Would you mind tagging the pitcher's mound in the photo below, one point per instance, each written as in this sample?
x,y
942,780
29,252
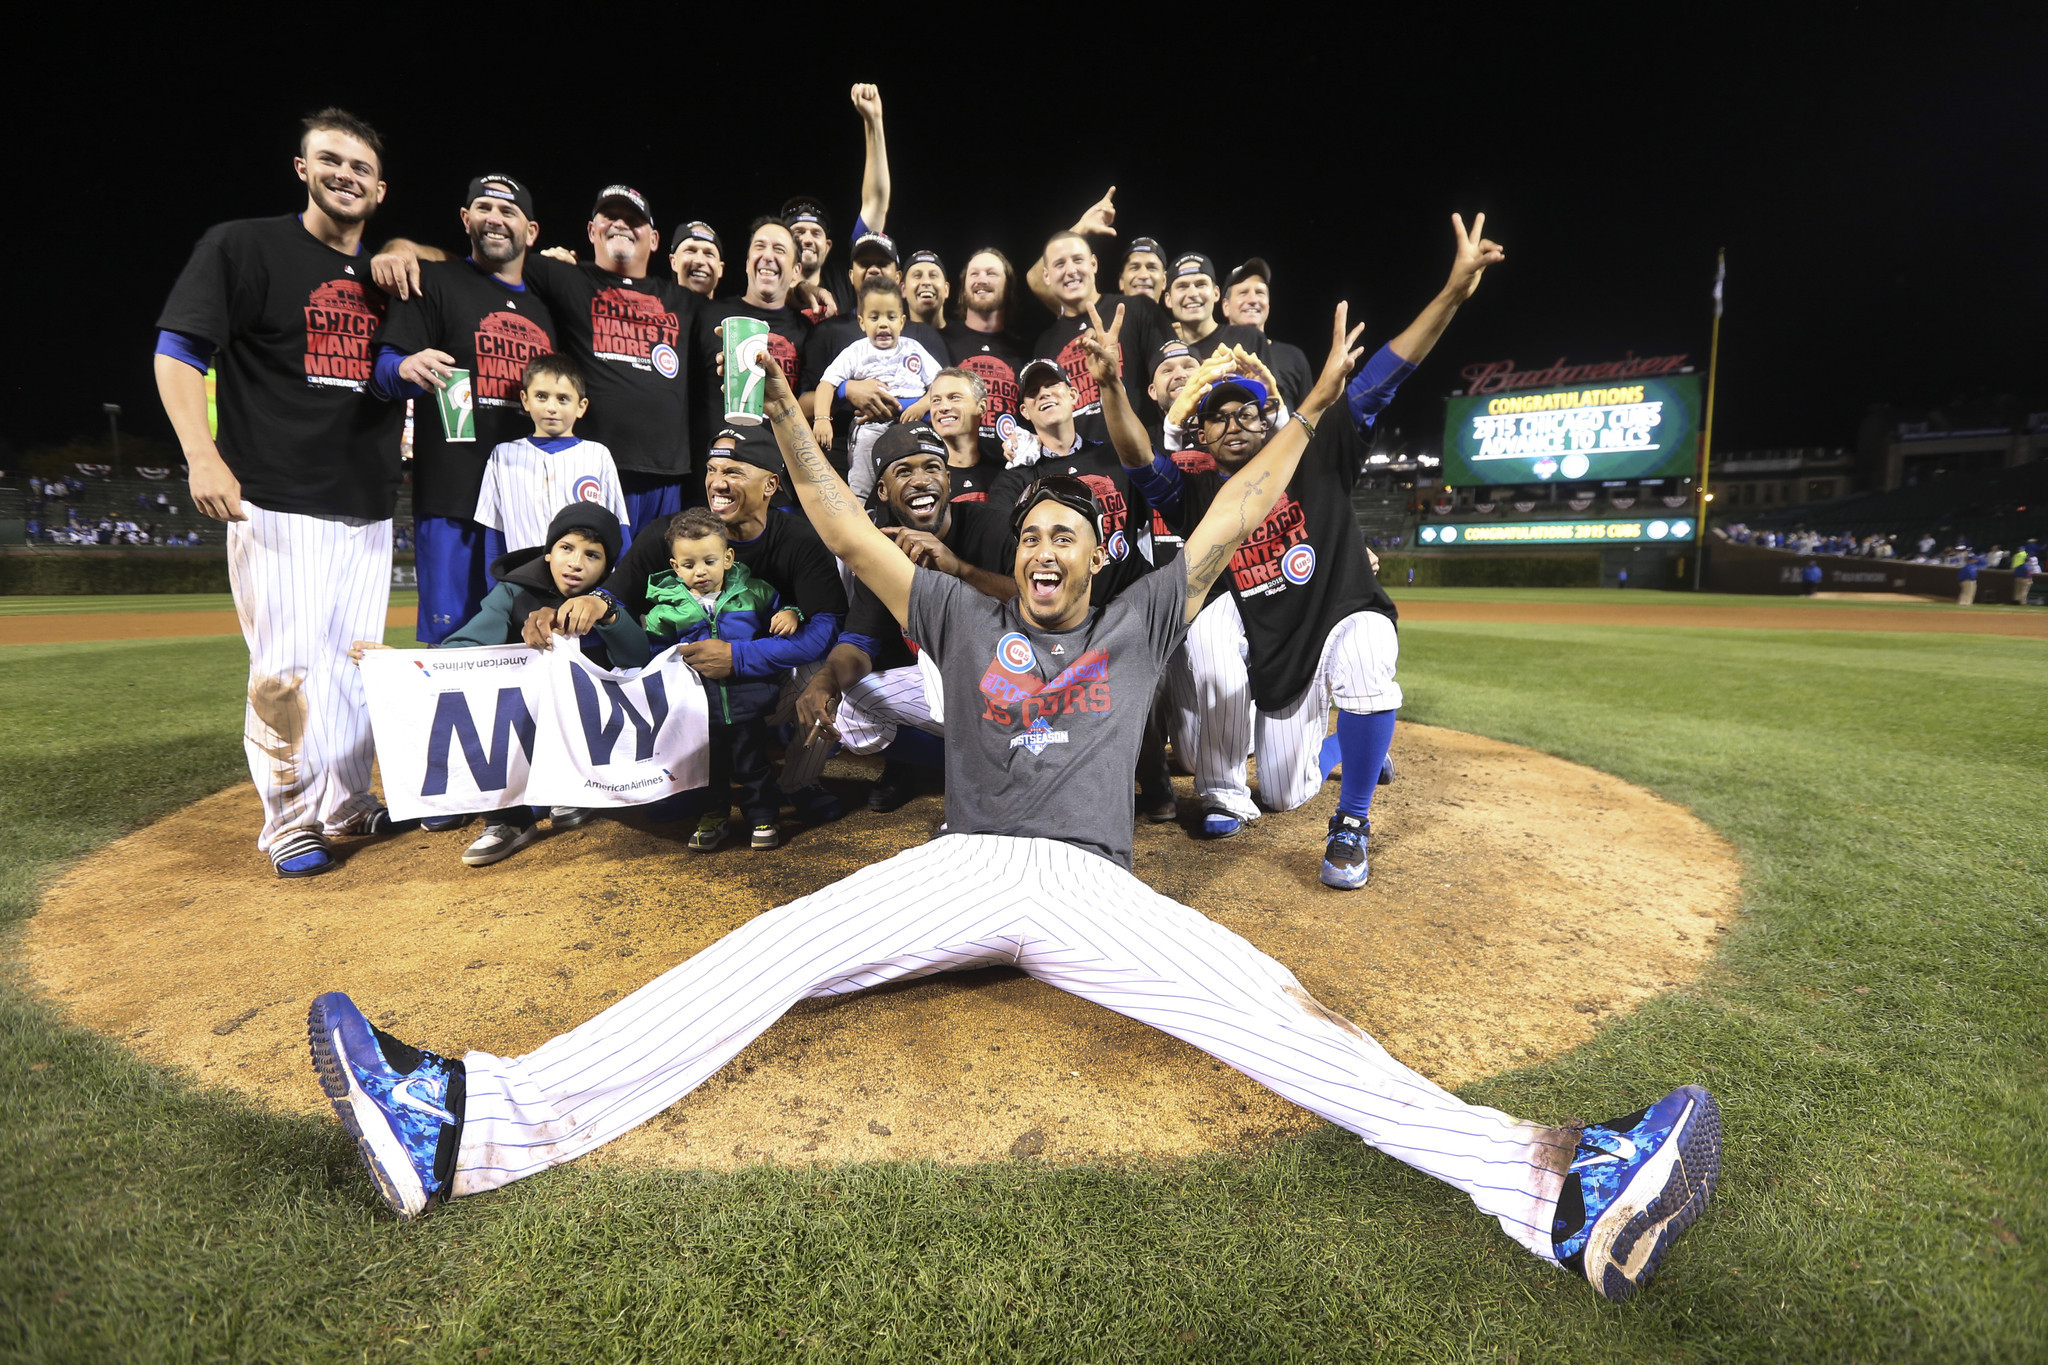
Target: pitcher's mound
x,y
1516,901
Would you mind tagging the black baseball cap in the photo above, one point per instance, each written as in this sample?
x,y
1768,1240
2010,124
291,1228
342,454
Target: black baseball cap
x,y
1169,350
1255,267
1150,244
698,229
804,209
875,244
592,516
751,445
1191,263
1038,374
1064,489
500,187
926,258
900,442
622,194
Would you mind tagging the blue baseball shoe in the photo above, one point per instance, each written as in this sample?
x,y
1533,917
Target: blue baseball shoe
x,y
1386,770
301,853
403,1104
1634,1185
435,824
1220,824
1344,865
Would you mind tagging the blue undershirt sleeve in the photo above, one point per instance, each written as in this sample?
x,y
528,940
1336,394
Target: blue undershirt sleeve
x,y
384,380
1372,388
866,644
769,655
194,351
1160,482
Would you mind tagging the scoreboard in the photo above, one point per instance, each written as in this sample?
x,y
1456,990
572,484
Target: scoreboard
x,y
1645,429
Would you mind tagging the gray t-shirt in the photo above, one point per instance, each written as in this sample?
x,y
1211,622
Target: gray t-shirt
x,y
1043,727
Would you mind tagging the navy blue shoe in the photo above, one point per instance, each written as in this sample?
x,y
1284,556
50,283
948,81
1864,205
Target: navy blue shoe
x,y
1344,865
402,1104
434,824
1634,1185
815,805
1220,824
1386,770
301,853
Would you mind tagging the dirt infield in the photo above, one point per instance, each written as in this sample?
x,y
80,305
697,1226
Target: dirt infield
x,y
1988,620
1516,902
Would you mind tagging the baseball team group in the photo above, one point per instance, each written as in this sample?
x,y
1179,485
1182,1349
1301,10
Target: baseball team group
x,y
1036,567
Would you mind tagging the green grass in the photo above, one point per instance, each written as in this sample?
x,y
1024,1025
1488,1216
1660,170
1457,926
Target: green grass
x,y
1644,597
1875,1029
168,601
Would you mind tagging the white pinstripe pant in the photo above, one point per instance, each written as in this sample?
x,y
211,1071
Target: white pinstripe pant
x,y
1354,673
306,588
802,763
985,900
875,707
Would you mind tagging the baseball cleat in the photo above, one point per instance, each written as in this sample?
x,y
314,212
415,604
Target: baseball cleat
x,y
301,853
363,824
709,834
568,817
1220,824
403,1105
434,824
767,836
499,842
815,805
1386,770
1344,865
1634,1185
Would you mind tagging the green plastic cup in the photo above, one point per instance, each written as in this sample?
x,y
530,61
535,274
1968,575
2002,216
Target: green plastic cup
x,y
746,388
458,407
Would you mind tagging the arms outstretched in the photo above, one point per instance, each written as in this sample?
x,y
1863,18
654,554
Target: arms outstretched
x,y
874,181
1248,495
830,504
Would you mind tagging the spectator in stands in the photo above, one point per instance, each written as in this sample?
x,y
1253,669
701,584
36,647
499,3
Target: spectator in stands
x,y
1810,575
2025,566
1966,583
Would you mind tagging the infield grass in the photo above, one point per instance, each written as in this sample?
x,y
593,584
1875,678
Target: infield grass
x,y
1874,1029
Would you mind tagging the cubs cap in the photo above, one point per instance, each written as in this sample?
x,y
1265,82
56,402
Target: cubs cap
x,y
1038,374
624,196
1237,387
1170,350
1191,263
900,442
804,209
926,258
876,245
701,231
1256,267
500,187
1150,244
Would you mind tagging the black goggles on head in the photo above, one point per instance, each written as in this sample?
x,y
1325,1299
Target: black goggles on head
x,y
1064,489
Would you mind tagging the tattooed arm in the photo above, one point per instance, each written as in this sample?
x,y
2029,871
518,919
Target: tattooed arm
x,y
1248,495
829,503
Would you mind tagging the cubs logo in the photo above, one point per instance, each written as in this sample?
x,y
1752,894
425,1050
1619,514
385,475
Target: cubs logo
x,y
587,489
914,364
1118,547
1015,653
1298,565
665,362
1006,427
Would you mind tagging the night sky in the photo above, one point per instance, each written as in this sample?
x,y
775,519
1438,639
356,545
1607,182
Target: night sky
x,y
1879,189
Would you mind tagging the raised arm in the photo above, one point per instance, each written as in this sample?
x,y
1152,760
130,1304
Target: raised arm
x,y
1475,253
830,504
874,180
1248,495
1097,220
1105,365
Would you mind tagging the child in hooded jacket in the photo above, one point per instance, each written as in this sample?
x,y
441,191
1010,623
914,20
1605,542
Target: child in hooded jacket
x,y
705,594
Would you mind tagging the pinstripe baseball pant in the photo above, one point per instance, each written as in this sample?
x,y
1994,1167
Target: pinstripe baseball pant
x,y
803,763
1069,918
1216,689
306,588
873,708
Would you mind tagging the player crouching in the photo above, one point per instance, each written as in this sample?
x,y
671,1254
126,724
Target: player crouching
x,y
582,544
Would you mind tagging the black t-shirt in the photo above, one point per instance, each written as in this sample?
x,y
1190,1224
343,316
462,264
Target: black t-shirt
x,y
831,337
1301,570
787,554
628,336
1147,327
295,323
492,330
971,483
1124,509
788,331
1291,367
994,358
978,534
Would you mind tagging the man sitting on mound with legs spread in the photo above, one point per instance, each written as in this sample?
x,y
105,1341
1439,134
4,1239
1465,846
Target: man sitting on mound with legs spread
x,y
1049,696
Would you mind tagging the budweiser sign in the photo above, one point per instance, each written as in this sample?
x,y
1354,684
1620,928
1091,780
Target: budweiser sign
x,y
1499,376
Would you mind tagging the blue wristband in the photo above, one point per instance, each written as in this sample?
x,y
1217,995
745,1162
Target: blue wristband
x,y
842,390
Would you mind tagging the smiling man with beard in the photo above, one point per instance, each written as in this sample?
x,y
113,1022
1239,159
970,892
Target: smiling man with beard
x,y
980,341
626,328
477,315
305,472
871,684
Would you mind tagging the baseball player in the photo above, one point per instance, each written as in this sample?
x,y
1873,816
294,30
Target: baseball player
x,y
475,315
1318,630
305,473
1051,693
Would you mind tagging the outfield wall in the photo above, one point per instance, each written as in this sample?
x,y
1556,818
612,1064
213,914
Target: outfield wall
x,y
1754,569
89,572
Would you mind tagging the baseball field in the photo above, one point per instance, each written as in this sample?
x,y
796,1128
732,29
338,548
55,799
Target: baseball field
x,y
1871,1010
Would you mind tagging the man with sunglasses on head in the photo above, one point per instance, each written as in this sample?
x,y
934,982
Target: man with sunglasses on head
x,y
1316,628
1047,694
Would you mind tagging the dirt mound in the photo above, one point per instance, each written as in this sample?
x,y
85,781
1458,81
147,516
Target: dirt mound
x,y
1516,900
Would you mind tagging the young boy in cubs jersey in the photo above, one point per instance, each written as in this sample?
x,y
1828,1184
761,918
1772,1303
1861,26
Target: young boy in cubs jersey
x,y
529,480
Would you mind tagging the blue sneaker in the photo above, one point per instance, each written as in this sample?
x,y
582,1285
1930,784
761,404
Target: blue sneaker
x,y
1344,865
1634,1185
1220,824
403,1105
1386,770
435,824
301,853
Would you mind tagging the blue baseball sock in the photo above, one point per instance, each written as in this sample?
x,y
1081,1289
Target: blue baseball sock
x,y
1363,741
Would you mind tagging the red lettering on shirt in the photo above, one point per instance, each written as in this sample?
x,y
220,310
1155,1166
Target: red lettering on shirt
x,y
342,318
1258,559
505,342
1001,381
1110,499
625,323
1074,360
